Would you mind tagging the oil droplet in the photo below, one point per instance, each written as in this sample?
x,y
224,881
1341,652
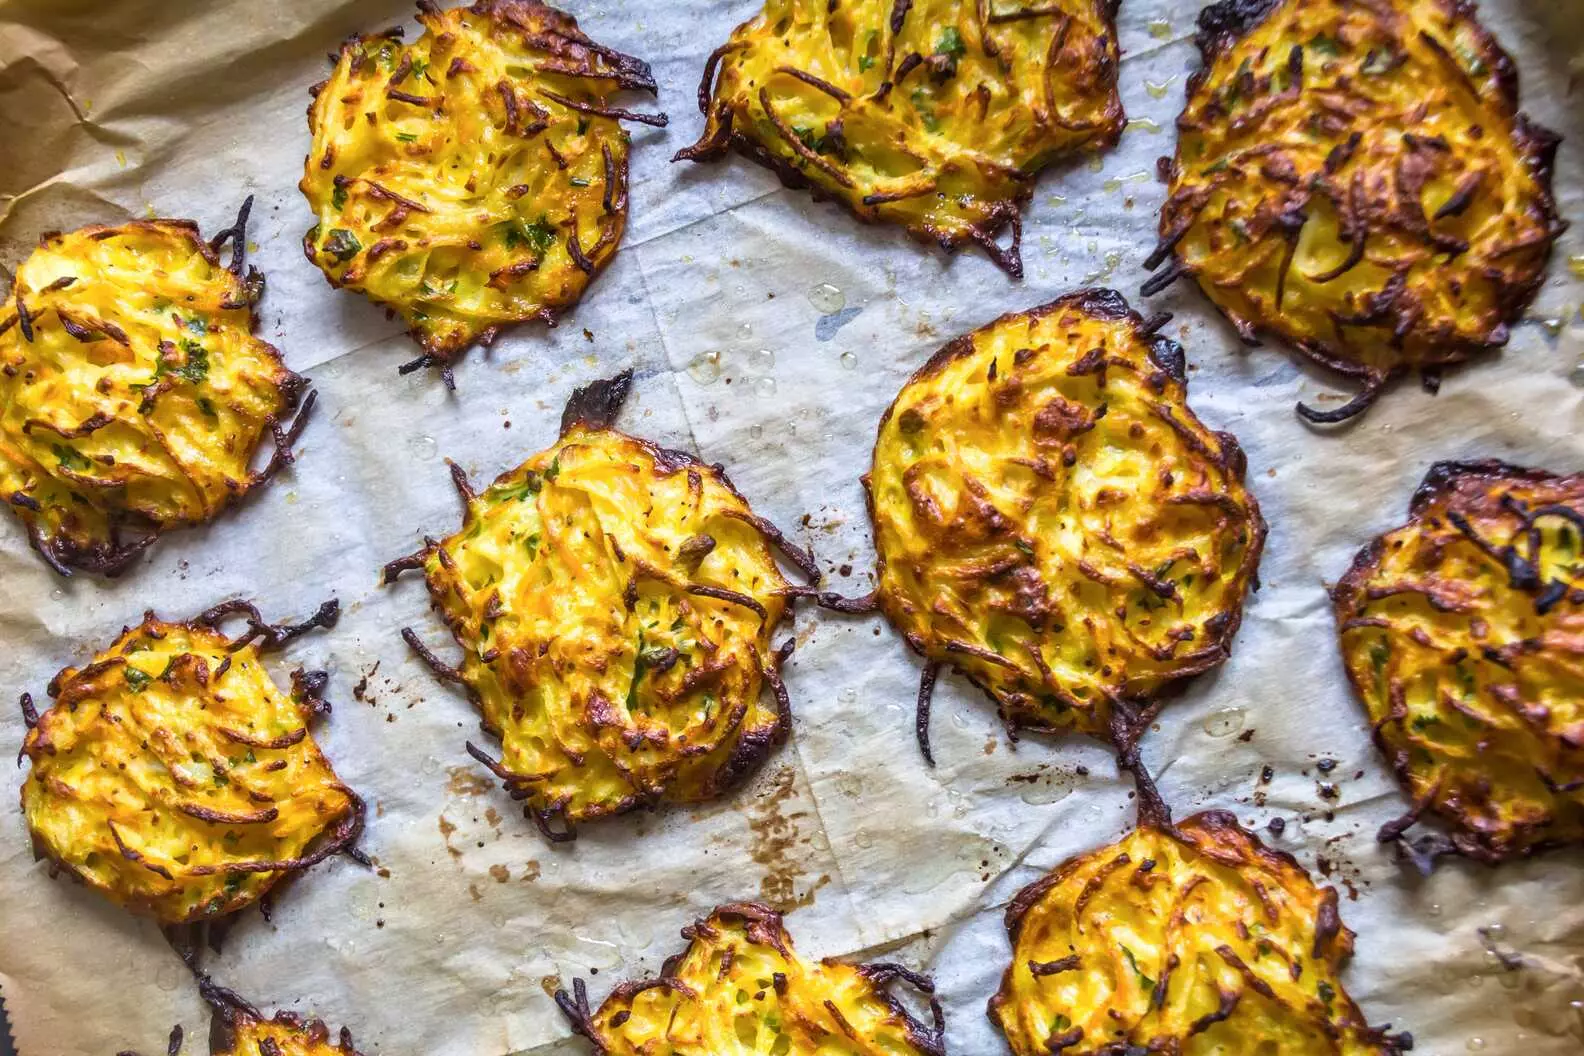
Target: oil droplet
x,y
168,978
1576,265
765,386
1475,1044
1052,788
1495,932
291,498
57,594
1434,909
863,838
1057,199
850,362
1117,182
1143,123
827,299
121,158
1095,163
423,447
431,765
1157,89
1224,723
849,785
848,696
1160,29
365,900
763,360
705,368
1553,326
756,430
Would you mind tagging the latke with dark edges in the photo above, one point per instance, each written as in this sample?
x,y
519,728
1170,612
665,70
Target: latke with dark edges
x,y
474,178
930,114
236,1028
1054,522
1356,180
133,393
1192,939
175,778
740,987
1463,634
615,604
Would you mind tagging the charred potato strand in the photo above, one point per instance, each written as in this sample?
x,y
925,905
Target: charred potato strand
x,y
173,776
1461,632
740,987
239,1029
1356,180
1053,521
930,114
615,604
133,393
1196,940
476,177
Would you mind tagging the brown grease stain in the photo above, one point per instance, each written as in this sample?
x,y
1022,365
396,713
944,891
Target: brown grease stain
x,y
465,782
777,838
446,829
500,873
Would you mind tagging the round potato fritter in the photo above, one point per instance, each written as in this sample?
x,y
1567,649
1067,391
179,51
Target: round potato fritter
x,y
1356,180
615,604
1196,940
931,114
474,178
172,775
740,987
1463,633
1053,521
133,393
238,1029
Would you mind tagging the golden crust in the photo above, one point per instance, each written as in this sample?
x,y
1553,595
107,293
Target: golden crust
x,y
933,115
133,393
473,178
1463,634
173,776
239,1029
1356,180
615,604
1053,521
1196,940
741,987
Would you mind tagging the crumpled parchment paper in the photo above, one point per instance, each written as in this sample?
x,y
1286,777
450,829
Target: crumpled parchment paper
x,y
111,111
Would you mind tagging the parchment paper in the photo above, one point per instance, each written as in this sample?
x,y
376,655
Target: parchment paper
x,y
110,111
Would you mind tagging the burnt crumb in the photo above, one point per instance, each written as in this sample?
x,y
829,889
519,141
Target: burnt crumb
x,y
1325,766
1277,826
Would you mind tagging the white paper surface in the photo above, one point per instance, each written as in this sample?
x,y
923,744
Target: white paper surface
x,y
110,111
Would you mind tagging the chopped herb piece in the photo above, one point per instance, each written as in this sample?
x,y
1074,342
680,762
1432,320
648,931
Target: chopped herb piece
x,y
138,680
342,244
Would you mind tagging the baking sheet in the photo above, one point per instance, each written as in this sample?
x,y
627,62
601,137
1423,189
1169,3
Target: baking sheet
x,y
110,111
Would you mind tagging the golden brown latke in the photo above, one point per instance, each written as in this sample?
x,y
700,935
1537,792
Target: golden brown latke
x,y
931,114
615,604
1355,179
739,987
1463,633
1192,939
1054,522
474,178
133,393
173,776
236,1028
